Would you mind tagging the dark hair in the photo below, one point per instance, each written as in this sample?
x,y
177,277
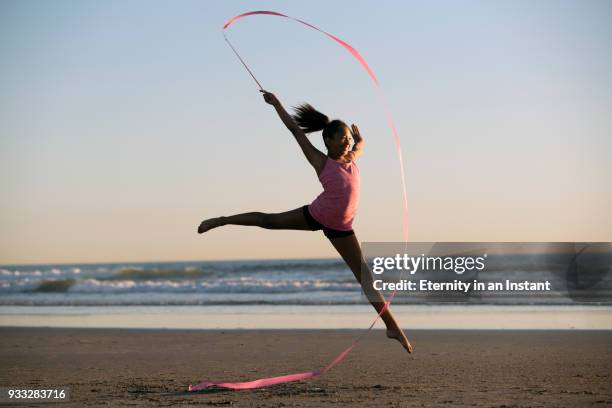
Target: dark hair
x,y
311,120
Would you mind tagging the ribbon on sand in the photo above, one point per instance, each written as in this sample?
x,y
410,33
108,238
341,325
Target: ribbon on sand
x,y
264,382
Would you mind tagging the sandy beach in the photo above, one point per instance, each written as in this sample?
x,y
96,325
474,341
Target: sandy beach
x,y
139,367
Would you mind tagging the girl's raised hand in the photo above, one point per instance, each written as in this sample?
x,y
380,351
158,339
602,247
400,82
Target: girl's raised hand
x,y
269,97
355,132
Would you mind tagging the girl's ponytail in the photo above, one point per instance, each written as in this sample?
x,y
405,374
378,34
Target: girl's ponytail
x,y
309,119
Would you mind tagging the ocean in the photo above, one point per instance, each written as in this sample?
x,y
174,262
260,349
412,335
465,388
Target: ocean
x,y
273,282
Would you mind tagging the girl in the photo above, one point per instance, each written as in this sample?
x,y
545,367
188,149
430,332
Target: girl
x,y
334,209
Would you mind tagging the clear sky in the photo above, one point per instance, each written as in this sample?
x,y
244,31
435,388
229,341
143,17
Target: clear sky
x,y
123,124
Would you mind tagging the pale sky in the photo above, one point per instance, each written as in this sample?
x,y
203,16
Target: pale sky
x,y
124,124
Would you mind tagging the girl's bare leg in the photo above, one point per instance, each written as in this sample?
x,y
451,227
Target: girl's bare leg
x,y
292,220
349,249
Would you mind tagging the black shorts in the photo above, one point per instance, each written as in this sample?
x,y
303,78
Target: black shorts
x,y
316,225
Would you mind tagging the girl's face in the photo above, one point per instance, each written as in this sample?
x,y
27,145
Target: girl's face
x,y
340,144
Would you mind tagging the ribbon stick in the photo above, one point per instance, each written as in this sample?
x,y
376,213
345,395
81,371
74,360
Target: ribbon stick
x,y
264,382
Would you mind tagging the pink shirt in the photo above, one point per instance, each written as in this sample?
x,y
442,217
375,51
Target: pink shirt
x,y
336,206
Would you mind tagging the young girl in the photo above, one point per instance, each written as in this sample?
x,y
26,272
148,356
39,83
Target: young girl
x,y
334,209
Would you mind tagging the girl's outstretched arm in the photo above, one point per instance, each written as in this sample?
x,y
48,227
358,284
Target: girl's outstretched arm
x,y
314,156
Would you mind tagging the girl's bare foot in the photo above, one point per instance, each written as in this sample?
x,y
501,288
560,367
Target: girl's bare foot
x,y
399,335
210,224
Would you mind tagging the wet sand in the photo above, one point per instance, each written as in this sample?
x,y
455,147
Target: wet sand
x,y
255,317
139,367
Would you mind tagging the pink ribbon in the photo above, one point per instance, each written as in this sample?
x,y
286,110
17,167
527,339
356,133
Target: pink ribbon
x,y
265,382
